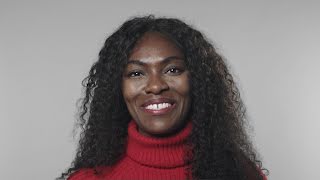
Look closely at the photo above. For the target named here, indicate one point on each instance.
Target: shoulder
(85, 173)
(263, 175)
(90, 173)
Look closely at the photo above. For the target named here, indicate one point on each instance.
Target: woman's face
(155, 86)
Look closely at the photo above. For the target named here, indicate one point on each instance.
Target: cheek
(127, 91)
(130, 90)
(182, 86)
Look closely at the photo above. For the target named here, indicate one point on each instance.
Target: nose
(156, 85)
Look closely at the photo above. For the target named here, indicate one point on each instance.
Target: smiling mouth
(157, 109)
(158, 106)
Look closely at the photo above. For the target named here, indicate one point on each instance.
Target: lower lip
(159, 112)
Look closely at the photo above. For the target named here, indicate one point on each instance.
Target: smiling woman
(160, 103)
(156, 86)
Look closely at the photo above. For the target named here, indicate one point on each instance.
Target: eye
(135, 74)
(174, 70)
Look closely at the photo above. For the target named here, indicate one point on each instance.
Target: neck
(164, 152)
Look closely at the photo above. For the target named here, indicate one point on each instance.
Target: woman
(160, 103)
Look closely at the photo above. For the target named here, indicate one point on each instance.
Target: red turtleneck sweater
(146, 158)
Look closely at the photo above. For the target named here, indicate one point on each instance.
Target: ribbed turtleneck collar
(165, 152)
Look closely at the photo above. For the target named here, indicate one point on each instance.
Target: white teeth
(158, 106)
(154, 106)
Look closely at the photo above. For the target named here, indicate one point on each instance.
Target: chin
(159, 132)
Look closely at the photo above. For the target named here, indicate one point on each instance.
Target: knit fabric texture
(146, 158)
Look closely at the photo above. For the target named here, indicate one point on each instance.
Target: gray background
(47, 48)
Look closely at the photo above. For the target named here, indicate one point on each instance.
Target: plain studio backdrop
(47, 48)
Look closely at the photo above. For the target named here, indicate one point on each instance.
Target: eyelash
(134, 74)
(176, 70)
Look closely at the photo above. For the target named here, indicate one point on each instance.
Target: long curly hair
(218, 147)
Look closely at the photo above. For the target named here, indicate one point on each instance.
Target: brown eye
(175, 70)
(135, 74)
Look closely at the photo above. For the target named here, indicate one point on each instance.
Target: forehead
(154, 45)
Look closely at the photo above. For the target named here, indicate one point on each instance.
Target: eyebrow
(164, 61)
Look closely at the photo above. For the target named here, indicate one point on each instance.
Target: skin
(156, 69)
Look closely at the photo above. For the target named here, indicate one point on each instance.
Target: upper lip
(157, 101)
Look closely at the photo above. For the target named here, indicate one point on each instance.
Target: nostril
(155, 89)
(156, 86)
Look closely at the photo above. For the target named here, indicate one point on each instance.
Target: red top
(146, 158)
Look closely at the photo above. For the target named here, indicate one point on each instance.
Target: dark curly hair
(219, 146)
